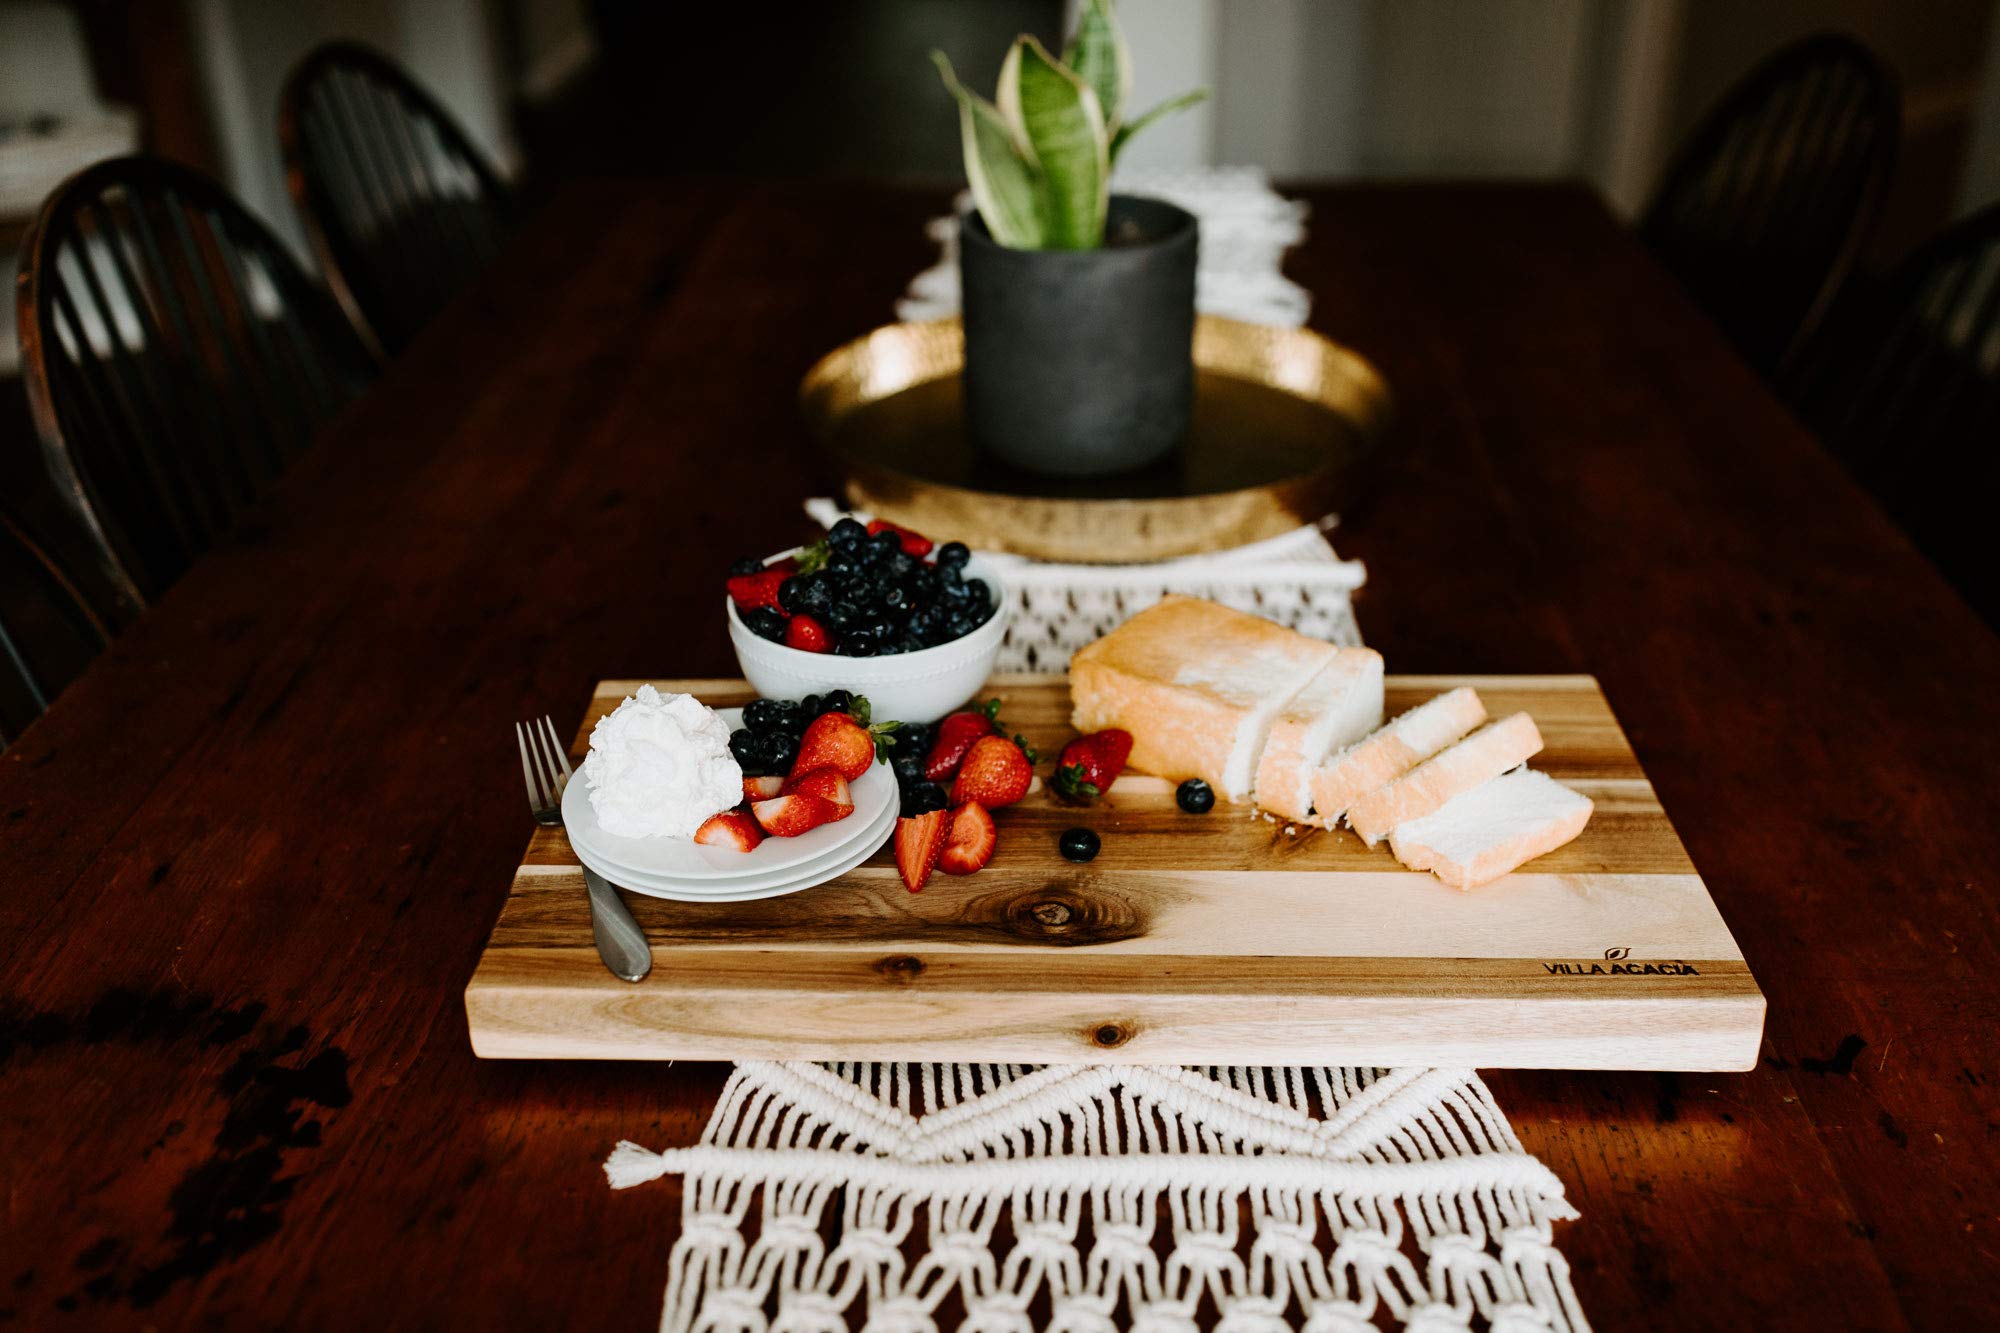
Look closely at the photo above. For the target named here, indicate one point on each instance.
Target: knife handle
(620, 942)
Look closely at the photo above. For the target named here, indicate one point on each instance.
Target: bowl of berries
(876, 609)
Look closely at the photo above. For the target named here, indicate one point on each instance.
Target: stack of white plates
(686, 871)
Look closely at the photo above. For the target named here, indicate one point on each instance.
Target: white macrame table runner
(1009, 1198)
(903, 1198)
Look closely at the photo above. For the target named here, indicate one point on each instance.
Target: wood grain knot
(1111, 1034)
(1060, 913)
(900, 968)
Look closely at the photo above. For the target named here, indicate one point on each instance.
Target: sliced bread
(1484, 833)
(1391, 752)
(1197, 684)
(1485, 754)
(1338, 706)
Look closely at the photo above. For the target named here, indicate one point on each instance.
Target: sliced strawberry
(789, 816)
(731, 828)
(955, 736)
(968, 843)
(996, 772)
(764, 788)
(807, 635)
(750, 591)
(914, 543)
(836, 741)
(1090, 764)
(825, 783)
(919, 843)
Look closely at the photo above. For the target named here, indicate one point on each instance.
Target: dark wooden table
(246, 864)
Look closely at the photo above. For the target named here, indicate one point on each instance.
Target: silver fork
(545, 768)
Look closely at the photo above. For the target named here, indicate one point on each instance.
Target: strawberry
(919, 842)
(837, 741)
(968, 843)
(996, 772)
(750, 591)
(914, 543)
(789, 816)
(955, 736)
(731, 828)
(763, 789)
(807, 635)
(825, 783)
(1090, 764)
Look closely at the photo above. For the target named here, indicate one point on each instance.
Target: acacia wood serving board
(1223, 938)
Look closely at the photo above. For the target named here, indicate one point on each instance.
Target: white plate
(811, 879)
(683, 859)
(642, 882)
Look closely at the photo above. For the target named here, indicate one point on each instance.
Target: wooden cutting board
(1227, 938)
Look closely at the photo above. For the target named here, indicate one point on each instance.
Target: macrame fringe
(1095, 1198)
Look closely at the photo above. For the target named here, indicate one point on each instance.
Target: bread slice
(1340, 705)
(1485, 754)
(1482, 834)
(1197, 684)
(1393, 751)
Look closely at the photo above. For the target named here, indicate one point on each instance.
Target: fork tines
(544, 767)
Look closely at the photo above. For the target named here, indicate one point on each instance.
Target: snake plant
(1039, 156)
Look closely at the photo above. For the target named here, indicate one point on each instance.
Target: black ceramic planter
(1080, 363)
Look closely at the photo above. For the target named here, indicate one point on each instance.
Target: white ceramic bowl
(906, 687)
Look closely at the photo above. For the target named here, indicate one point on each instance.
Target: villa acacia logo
(1615, 964)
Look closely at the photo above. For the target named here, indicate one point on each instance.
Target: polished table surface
(247, 862)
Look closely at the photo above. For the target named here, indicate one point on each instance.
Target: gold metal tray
(1283, 419)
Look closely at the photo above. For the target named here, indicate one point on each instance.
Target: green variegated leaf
(1002, 178)
(1166, 108)
(1097, 54)
(1057, 114)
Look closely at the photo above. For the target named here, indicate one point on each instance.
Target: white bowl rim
(921, 657)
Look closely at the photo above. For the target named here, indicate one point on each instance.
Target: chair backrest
(48, 632)
(176, 360)
(1767, 205)
(401, 209)
(1903, 385)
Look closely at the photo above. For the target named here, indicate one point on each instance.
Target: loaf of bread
(1198, 685)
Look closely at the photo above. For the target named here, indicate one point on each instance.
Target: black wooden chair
(176, 360)
(1903, 385)
(401, 209)
(1767, 205)
(48, 633)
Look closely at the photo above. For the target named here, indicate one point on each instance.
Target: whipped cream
(659, 766)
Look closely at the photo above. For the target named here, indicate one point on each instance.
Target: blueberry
(747, 565)
(809, 707)
(1077, 844)
(766, 623)
(791, 595)
(899, 564)
(913, 737)
(846, 535)
(1195, 796)
(774, 715)
(920, 798)
(953, 555)
(980, 593)
(782, 749)
(842, 615)
(909, 767)
(886, 543)
(835, 701)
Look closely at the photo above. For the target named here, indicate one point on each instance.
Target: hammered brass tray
(1283, 421)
